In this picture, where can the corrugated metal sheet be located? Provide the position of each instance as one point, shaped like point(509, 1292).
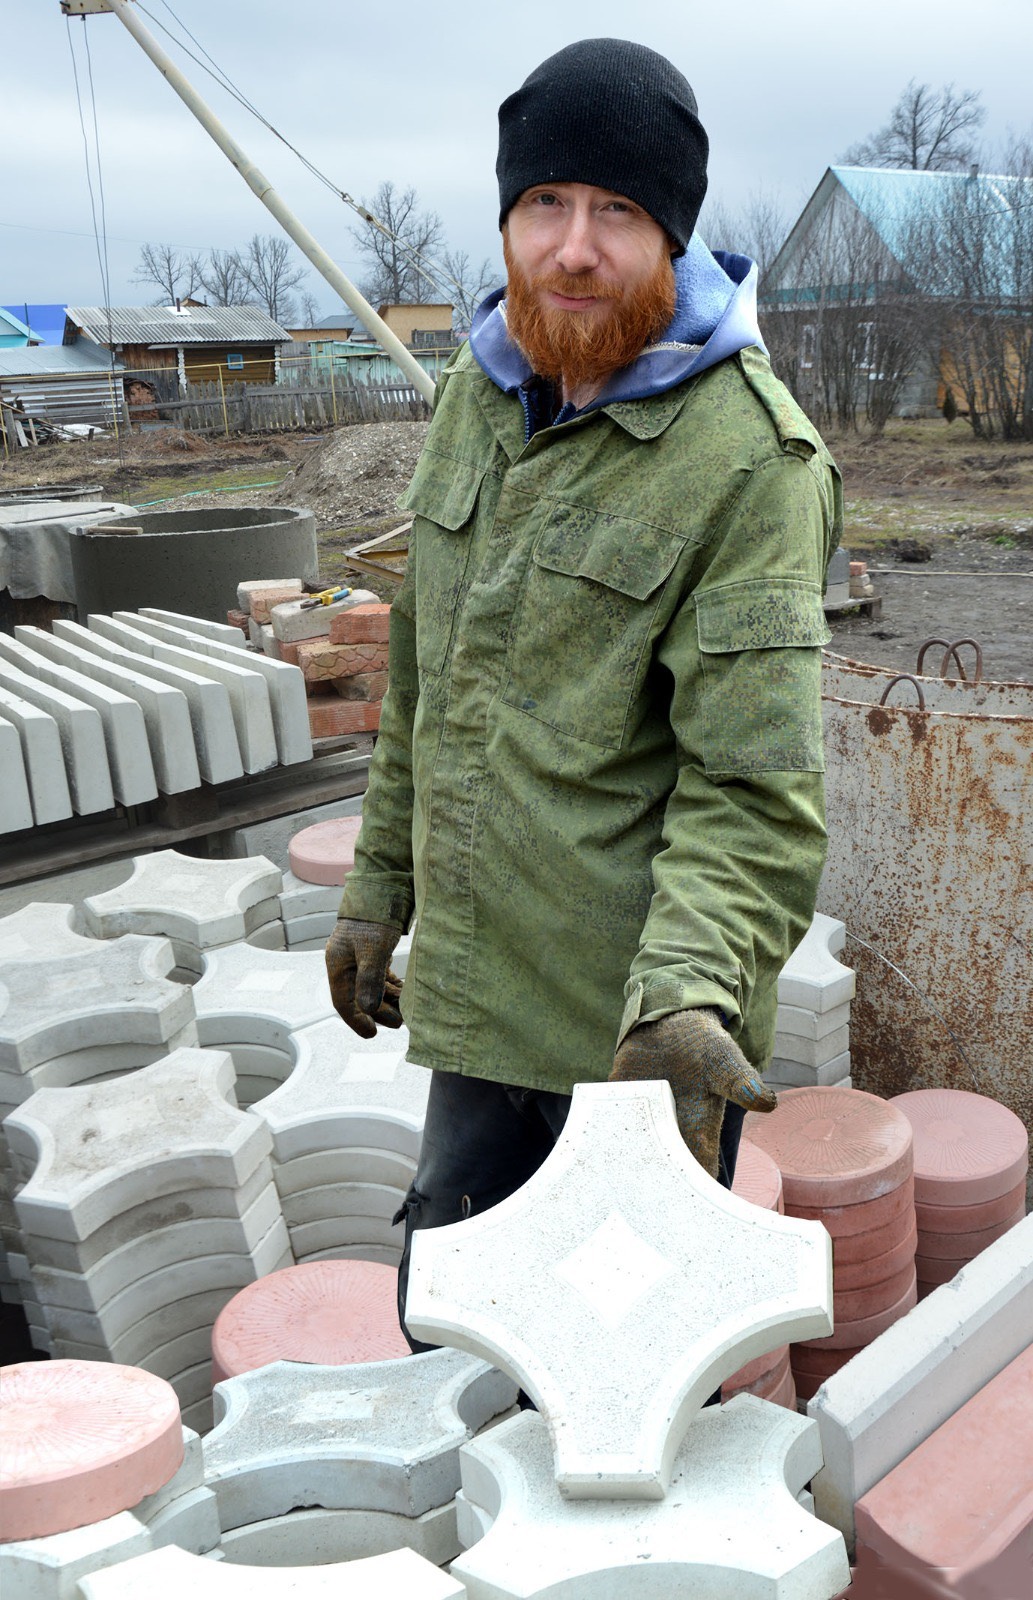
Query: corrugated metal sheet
point(159, 325)
point(46, 359)
point(64, 383)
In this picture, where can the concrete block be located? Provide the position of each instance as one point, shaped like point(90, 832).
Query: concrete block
point(208, 703)
point(299, 900)
point(898, 1390)
point(81, 733)
point(112, 1435)
point(110, 1147)
point(812, 1053)
point(796, 1075)
point(169, 1574)
point(309, 933)
point(39, 931)
point(116, 993)
point(956, 1515)
point(331, 1236)
point(364, 624)
point(51, 1568)
point(380, 1436)
point(15, 801)
point(165, 711)
point(203, 903)
point(260, 996)
point(728, 1526)
point(284, 683)
point(293, 620)
point(202, 627)
point(258, 594)
point(348, 1165)
point(801, 1022)
point(619, 1242)
point(125, 734)
point(190, 1523)
point(41, 754)
point(812, 978)
point(249, 698)
point(308, 1538)
point(345, 1091)
point(379, 1201)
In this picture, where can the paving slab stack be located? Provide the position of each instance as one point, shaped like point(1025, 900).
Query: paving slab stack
point(95, 1469)
point(971, 1163)
point(146, 1203)
point(321, 857)
point(847, 1161)
point(812, 1026)
point(169, 1574)
point(314, 1463)
point(199, 905)
point(770, 1376)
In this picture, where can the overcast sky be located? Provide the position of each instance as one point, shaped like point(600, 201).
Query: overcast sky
point(409, 92)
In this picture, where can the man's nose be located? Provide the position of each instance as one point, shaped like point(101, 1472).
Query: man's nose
point(579, 249)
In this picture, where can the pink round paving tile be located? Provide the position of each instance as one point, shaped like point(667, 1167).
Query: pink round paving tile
point(325, 852)
point(862, 1330)
point(968, 1219)
point(819, 1363)
point(757, 1178)
point(853, 1305)
point(784, 1393)
point(326, 1312)
point(968, 1148)
point(937, 1271)
point(851, 1248)
point(874, 1269)
point(963, 1246)
point(842, 1221)
point(81, 1441)
point(759, 1370)
point(834, 1146)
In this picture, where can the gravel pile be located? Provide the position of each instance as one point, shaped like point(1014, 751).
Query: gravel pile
point(356, 475)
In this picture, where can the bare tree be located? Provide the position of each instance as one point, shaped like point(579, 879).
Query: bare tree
point(467, 285)
point(309, 308)
point(174, 273)
point(757, 230)
point(929, 130)
point(271, 272)
point(394, 254)
point(222, 276)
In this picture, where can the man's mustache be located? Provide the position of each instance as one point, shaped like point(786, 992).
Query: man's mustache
point(578, 285)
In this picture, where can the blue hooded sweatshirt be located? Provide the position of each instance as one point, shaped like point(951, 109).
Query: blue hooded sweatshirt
point(715, 315)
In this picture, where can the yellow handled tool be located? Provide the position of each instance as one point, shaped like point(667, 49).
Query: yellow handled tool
point(325, 597)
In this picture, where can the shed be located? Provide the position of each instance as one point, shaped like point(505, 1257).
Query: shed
point(188, 343)
point(63, 384)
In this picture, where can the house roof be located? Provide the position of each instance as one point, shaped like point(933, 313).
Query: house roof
point(164, 325)
point(11, 323)
point(46, 322)
point(340, 319)
point(43, 360)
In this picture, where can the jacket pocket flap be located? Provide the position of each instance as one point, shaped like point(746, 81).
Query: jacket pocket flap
point(443, 490)
point(766, 614)
point(632, 557)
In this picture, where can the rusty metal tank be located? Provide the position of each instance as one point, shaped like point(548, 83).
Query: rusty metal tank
point(930, 865)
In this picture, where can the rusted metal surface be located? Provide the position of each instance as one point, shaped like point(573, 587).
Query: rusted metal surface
point(903, 677)
point(858, 680)
point(931, 868)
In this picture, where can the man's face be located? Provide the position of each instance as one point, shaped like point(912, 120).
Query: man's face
point(590, 280)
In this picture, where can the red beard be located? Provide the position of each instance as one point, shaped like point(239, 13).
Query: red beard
point(582, 348)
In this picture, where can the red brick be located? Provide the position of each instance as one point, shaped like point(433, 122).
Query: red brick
point(320, 660)
point(237, 619)
point(365, 624)
point(361, 686)
point(327, 718)
point(263, 601)
point(288, 652)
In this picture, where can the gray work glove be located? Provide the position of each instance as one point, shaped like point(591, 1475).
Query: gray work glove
point(362, 987)
point(704, 1066)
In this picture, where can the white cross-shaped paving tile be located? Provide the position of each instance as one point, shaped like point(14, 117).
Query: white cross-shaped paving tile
point(728, 1529)
point(185, 897)
point(169, 1574)
point(620, 1286)
point(257, 996)
point(40, 931)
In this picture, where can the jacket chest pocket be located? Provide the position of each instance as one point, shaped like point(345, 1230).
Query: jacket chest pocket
point(443, 497)
point(581, 642)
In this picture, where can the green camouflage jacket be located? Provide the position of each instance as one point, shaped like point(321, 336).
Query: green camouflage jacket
point(598, 780)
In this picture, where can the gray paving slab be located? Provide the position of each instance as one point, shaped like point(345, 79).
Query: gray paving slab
point(81, 733)
point(249, 698)
point(52, 1568)
point(344, 1166)
point(341, 1202)
point(377, 1436)
point(812, 1053)
point(190, 1523)
point(272, 838)
point(808, 1024)
point(117, 993)
point(900, 1388)
point(125, 734)
point(201, 902)
point(171, 1573)
point(798, 1075)
point(211, 714)
point(285, 682)
point(728, 1528)
point(140, 1342)
point(310, 932)
point(42, 930)
point(105, 1149)
point(15, 800)
point(620, 1242)
point(299, 899)
point(812, 978)
point(92, 1064)
point(254, 996)
point(313, 1538)
point(204, 627)
point(44, 764)
point(165, 711)
point(335, 1234)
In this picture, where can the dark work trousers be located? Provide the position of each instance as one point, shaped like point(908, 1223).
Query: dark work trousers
point(481, 1142)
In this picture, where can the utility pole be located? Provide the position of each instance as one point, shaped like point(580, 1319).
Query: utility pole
point(260, 185)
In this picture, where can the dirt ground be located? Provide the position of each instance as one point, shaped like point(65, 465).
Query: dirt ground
point(966, 504)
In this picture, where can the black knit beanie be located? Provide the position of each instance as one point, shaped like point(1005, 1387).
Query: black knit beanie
point(613, 114)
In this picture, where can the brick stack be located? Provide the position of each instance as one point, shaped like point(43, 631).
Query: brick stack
point(345, 674)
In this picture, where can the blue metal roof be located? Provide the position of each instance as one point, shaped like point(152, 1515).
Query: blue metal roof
point(893, 199)
point(47, 323)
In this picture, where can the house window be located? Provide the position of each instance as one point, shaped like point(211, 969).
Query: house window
point(235, 363)
point(807, 341)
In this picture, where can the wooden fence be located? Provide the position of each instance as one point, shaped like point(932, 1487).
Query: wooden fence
point(218, 407)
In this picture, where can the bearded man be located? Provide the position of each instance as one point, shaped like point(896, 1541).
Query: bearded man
point(598, 780)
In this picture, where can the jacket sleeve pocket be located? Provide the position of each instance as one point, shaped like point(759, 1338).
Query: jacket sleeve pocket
point(443, 497)
point(760, 645)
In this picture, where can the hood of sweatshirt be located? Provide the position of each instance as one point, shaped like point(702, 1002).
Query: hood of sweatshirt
point(715, 316)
